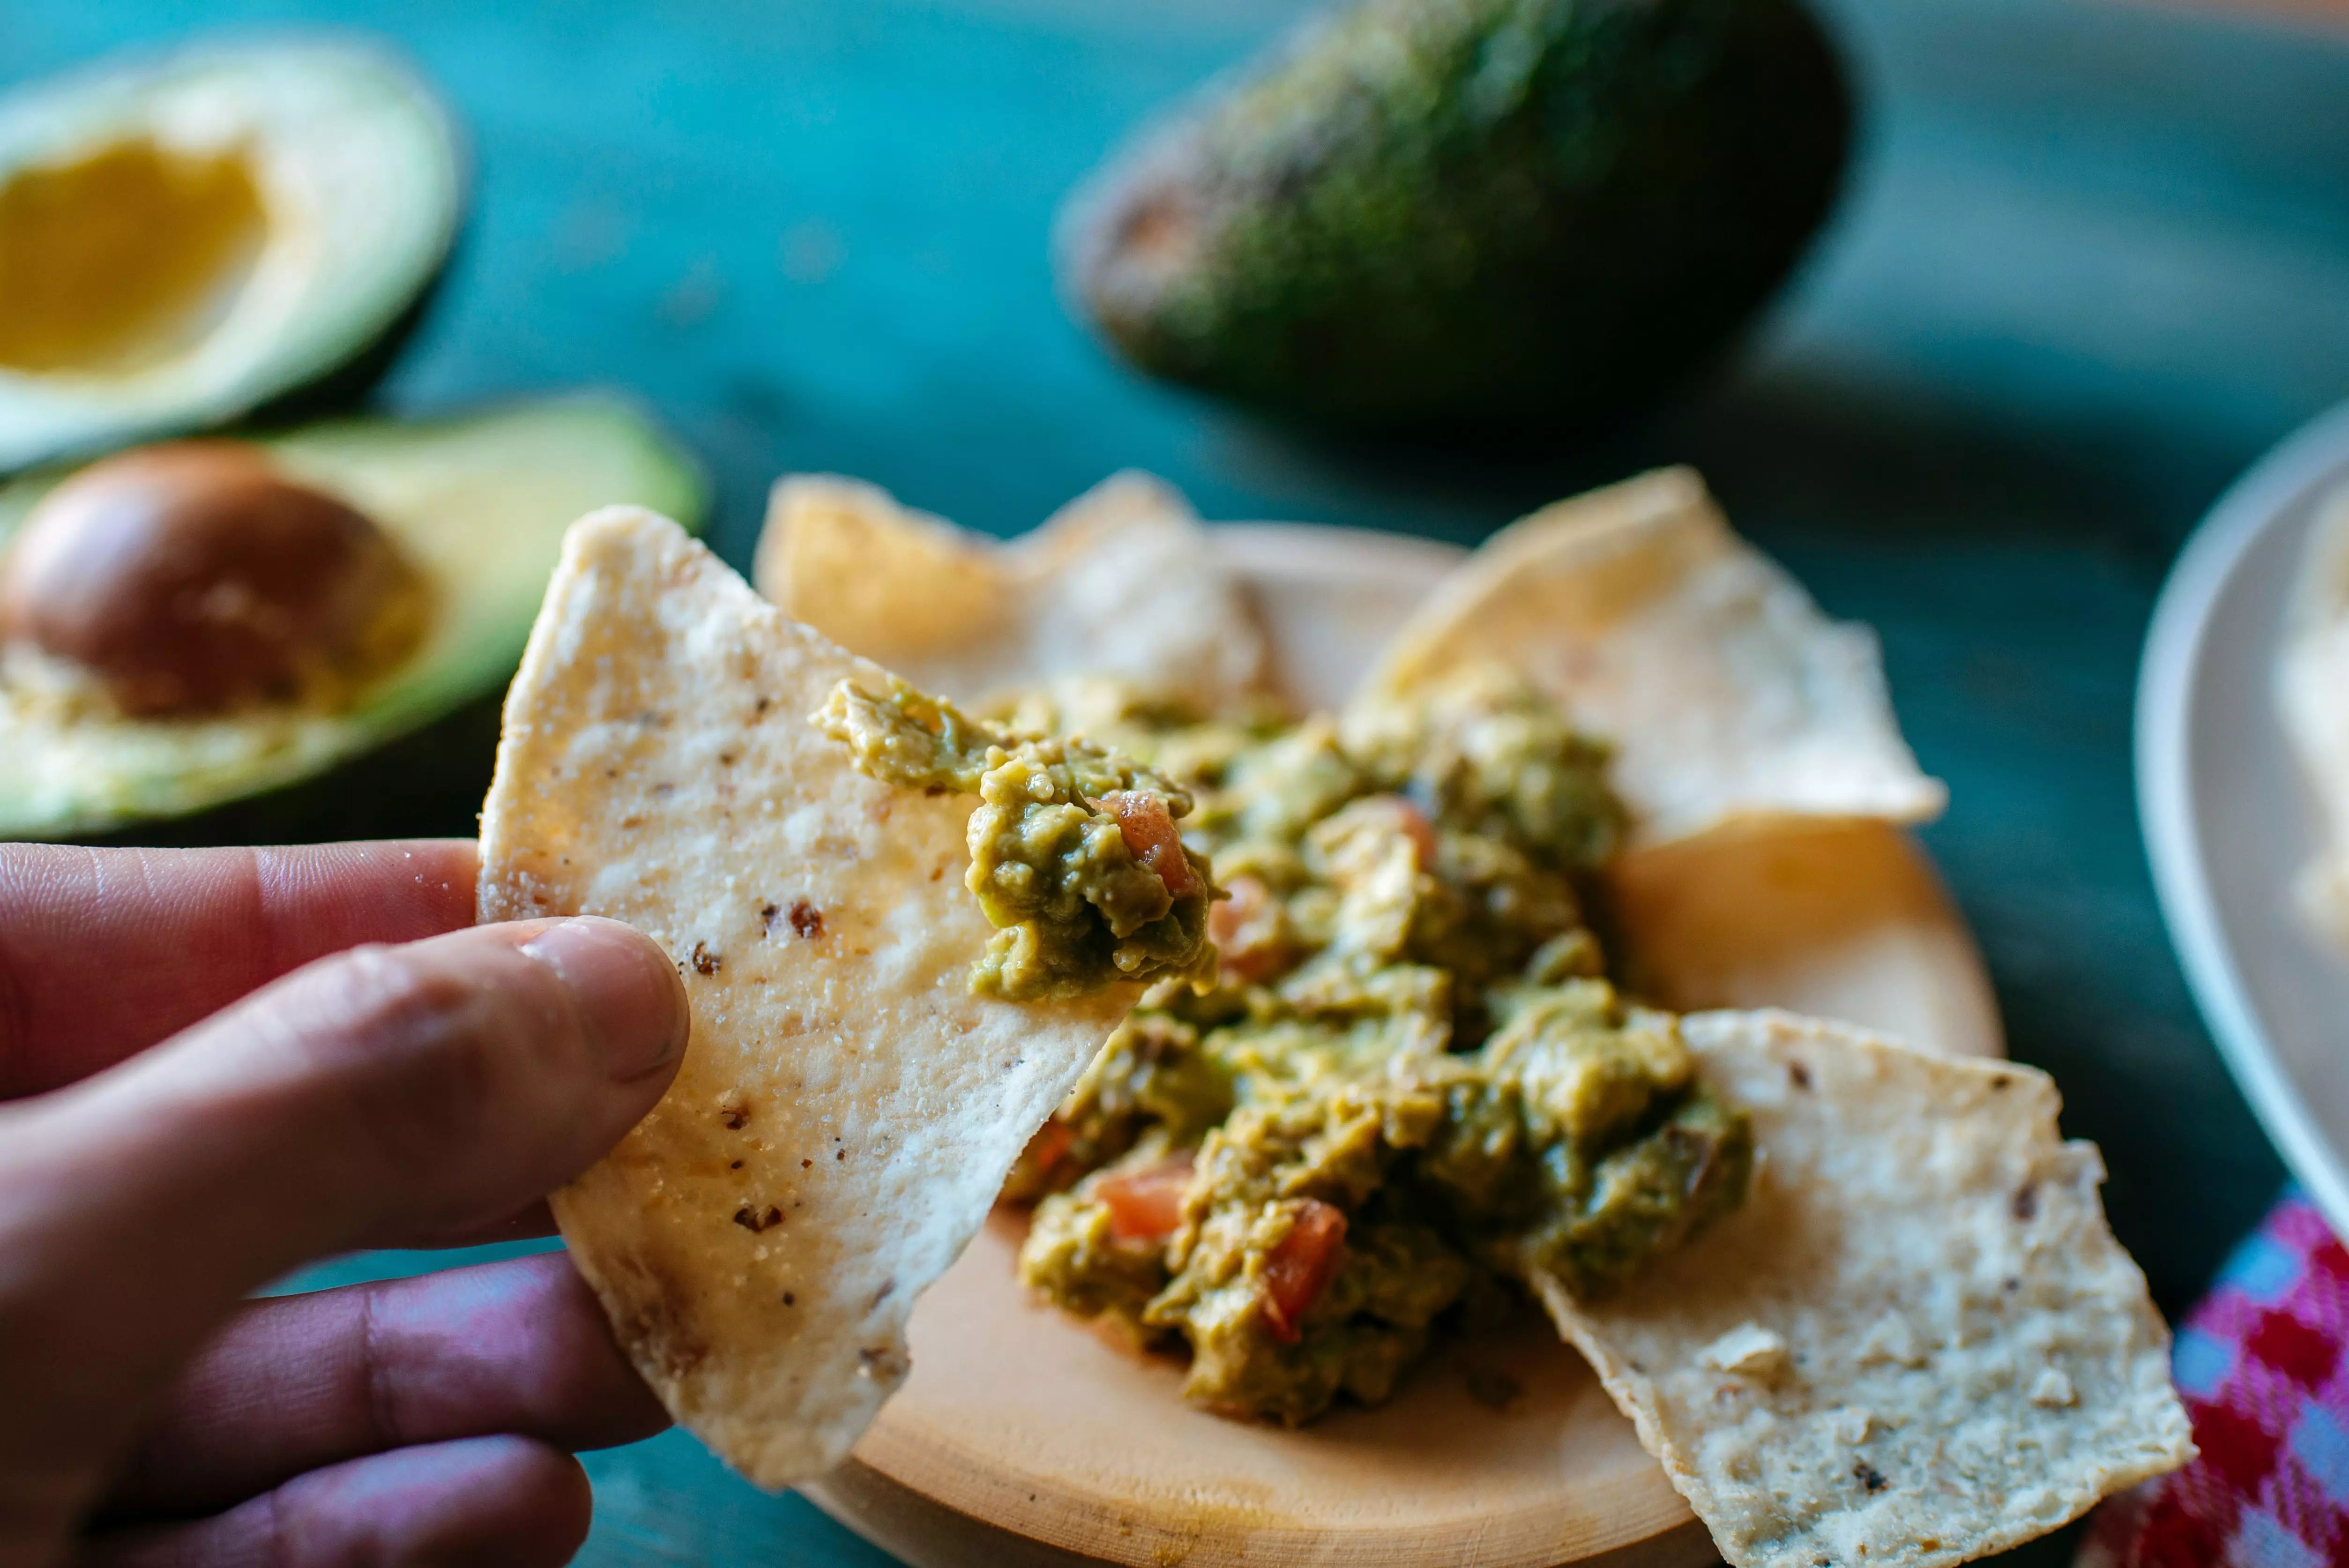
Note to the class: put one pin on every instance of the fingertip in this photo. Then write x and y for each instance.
(499, 1502)
(631, 999)
(387, 1092)
(519, 1347)
(480, 1502)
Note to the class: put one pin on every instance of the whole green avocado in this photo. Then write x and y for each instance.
(1470, 213)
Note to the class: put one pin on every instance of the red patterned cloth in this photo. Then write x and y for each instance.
(2260, 1365)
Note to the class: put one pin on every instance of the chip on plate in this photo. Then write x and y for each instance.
(2313, 688)
(847, 1107)
(1118, 583)
(1728, 697)
(1917, 1343)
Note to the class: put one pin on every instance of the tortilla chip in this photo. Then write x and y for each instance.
(1728, 697)
(1917, 1343)
(1121, 581)
(847, 1109)
(2313, 691)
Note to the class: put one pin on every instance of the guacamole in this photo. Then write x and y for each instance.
(1074, 855)
(1410, 1083)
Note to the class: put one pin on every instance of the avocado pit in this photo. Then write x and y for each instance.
(192, 578)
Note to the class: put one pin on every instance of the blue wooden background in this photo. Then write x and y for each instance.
(2094, 260)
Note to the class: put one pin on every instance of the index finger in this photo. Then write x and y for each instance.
(103, 952)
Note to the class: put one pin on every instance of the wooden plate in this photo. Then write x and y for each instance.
(1023, 1439)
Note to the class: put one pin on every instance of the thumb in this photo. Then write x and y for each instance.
(383, 1093)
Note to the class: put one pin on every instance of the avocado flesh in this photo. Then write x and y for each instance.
(477, 505)
(1470, 213)
(186, 239)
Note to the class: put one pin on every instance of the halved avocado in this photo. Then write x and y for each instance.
(475, 506)
(186, 239)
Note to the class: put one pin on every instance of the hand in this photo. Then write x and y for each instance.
(167, 1147)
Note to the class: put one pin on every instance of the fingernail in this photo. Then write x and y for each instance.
(631, 998)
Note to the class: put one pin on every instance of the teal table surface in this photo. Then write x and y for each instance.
(2092, 261)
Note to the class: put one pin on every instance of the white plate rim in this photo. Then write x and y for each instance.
(2177, 638)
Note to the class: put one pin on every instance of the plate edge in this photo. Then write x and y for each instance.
(2175, 639)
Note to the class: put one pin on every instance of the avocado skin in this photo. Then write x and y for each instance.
(1470, 213)
(428, 783)
(345, 386)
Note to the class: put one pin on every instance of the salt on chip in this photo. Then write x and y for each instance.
(2312, 693)
(1729, 698)
(1917, 1342)
(847, 1109)
(1122, 582)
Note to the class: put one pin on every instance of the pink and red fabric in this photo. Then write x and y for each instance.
(2260, 1363)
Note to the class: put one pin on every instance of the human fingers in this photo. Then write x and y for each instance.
(300, 1382)
(105, 952)
(498, 1502)
(531, 1220)
(388, 1092)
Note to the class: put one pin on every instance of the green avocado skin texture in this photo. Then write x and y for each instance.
(1440, 213)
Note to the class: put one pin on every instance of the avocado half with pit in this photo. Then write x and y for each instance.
(188, 238)
(184, 624)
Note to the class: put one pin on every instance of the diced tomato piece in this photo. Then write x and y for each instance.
(1148, 828)
(1246, 936)
(1145, 1205)
(1229, 921)
(1050, 1142)
(1300, 1266)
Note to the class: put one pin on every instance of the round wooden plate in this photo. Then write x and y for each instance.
(1024, 1439)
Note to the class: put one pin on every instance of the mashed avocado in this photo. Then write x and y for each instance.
(1411, 1082)
(1074, 855)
